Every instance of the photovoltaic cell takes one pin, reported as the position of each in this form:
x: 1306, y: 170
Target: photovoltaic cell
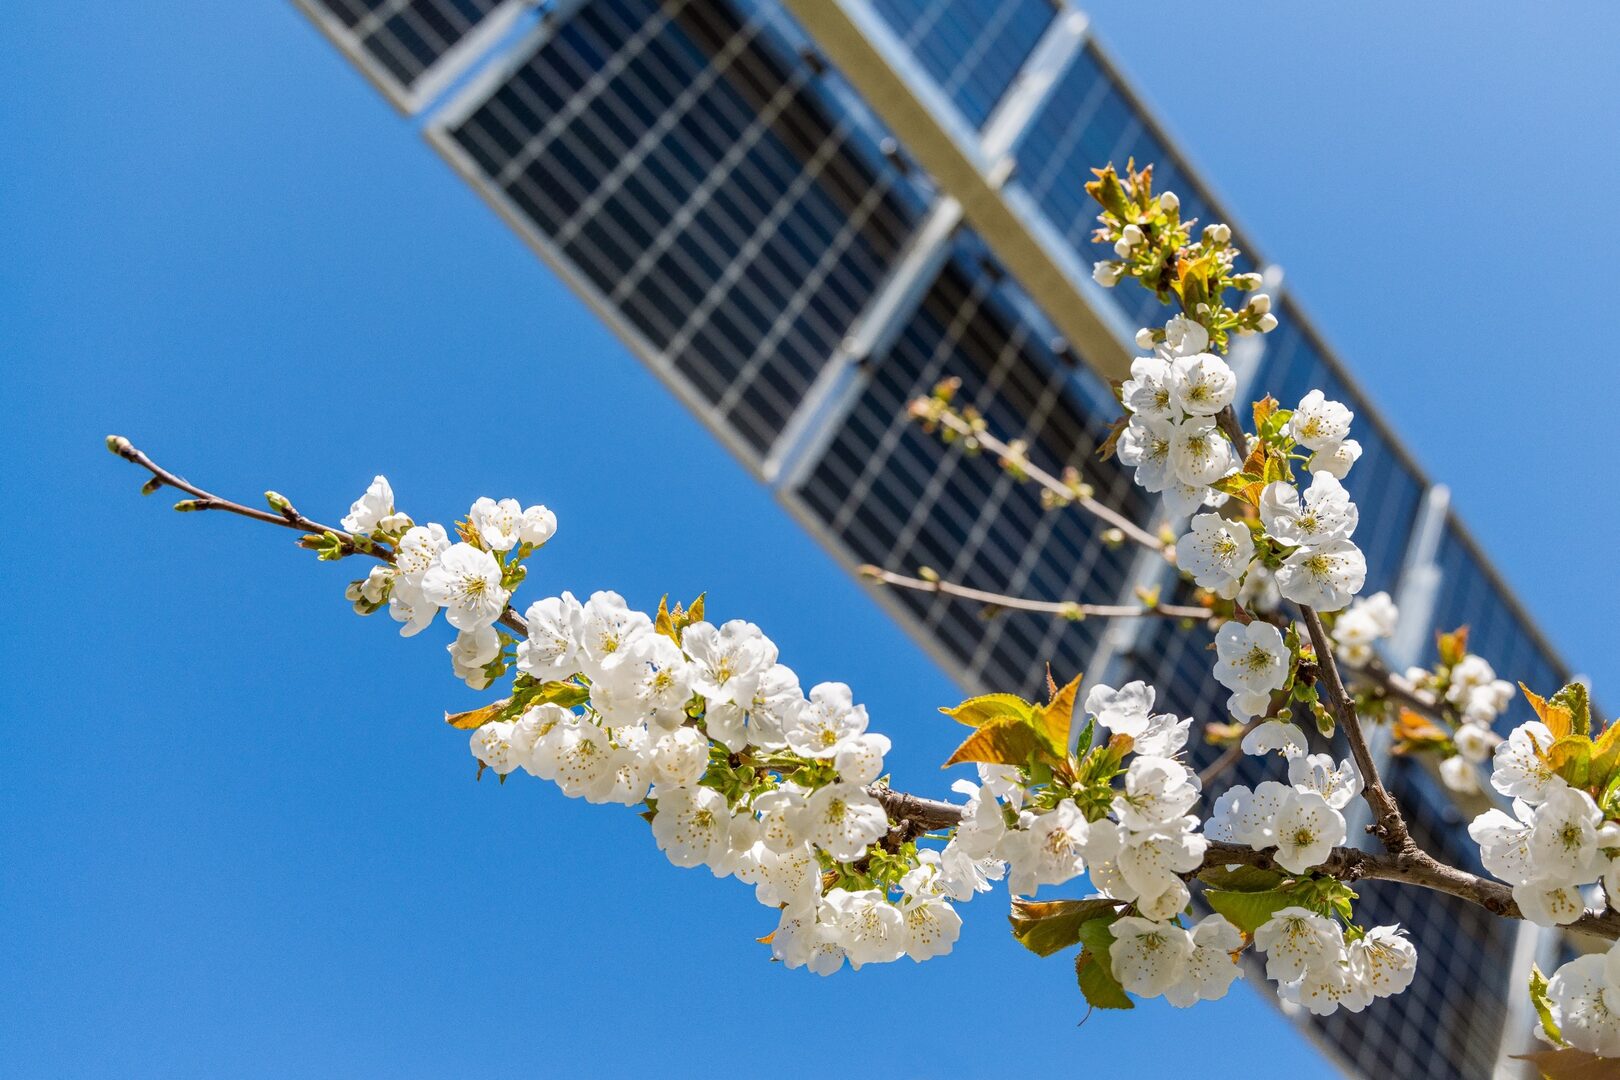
x: 1469, y: 597
x: 972, y: 48
x: 890, y: 493
x: 696, y: 180
x: 404, y: 38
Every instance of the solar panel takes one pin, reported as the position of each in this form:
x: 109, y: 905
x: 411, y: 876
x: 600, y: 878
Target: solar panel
x: 408, y: 46
x: 691, y: 178
x: 887, y: 492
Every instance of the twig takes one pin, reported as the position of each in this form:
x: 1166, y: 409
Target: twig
x: 289, y: 518
x: 1067, y: 608
x: 1056, y: 486
x: 1388, y: 824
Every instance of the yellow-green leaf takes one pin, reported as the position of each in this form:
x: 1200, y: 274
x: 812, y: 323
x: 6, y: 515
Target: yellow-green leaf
x: 1571, y: 758
x: 1543, y: 1004
x: 1606, y: 755
x: 1558, y: 719
x: 976, y: 710
x: 1056, y: 717
x: 1241, y: 878
x: 1262, y: 412
x: 1453, y: 646
x: 694, y: 613
x: 475, y: 718
x: 1570, y: 1064
x: 1006, y: 740
x: 1046, y: 927
x: 1248, y: 911
x: 663, y: 624
x: 1574, y: 698
x: 1092, y: 967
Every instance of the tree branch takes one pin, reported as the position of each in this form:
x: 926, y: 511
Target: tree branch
x: 1066, y: 608
x: 1056, y: 486
x: 1346, y: 864
x: 1388, y: 825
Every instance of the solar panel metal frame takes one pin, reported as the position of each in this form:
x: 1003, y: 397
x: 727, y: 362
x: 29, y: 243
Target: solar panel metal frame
x: 410, y: 98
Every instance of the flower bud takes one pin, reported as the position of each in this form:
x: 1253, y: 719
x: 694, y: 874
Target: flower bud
x: 1169, y: 203
x: 1260, y: 303
x: 1144, y: 338
x: 120, y: 445
x: 1107, y: 274
x: 1268, y: 323
x: 1129, y: 238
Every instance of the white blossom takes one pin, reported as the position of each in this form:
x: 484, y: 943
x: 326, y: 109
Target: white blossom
x: 728, y: 660
x: 1046, y: 849
x: 368, y: 511
x: 1210, y: 969
x: 869, y: 928
x: 466, y: 582
x: 1460, y: 775
x: 1307, y: 831
x: 1318, y: 422
x: 1367, y: 620
x: 801, y: 940
x: 1249, y: 816
x: 1216, y: 552
x: 1336, y: 783
x: 1204, y: 384
x: 550, y: 651
x: 841, y: 819
x: 1383, y: 960
x: 1325, y: 576
x: 824, y: 722
x: 1147, y: 957
x: 1150, y: 392
x: 1185, y: 337
x: 492, y: 745
x: 1335, y: 459
x: 1584, y: 1000
x: 1296, y: 940
x: 1504, y: 842
x: 1152, y: 859
x: 1165, y: 736
x: 1519, y: 771
x: 1199, y: 453
x: 679, y: 758
x: 860, y: 760
x: 1325, y: 512
x: 1563, y: 836
x: 776, y: 809
x: 1251, y: 661
x: 472, y: 652
x: 1281, y: 736
x: 693, y: 826
x: 1549, y: 903
x: 1145, y: 446
x: 539, y: 525
x: 1157, y: 790
x: 607, y: 628
x: 1125, y: 711
x: 497, y: 523
x: 932, y: 926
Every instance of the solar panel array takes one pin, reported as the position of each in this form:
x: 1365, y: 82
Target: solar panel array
x: 737, y: 214
x: 400, y: 41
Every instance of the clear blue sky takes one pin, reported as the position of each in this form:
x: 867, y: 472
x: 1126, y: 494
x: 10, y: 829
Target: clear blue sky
x: 235, y: 838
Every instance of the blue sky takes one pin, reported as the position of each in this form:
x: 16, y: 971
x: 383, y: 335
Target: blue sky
x: 235, y: 838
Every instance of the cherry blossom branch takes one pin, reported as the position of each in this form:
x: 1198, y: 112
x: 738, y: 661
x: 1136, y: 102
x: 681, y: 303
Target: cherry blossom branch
x: 288, y: 516
x: 1067, y: 608
x: 1344, y: 863
x: 1389, y: 824
x: 1017, y: 458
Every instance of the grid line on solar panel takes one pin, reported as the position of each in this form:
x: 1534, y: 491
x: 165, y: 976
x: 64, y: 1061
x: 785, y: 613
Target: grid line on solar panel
x: 407, y: 37
x: 747, y: 232
x: 972, y: 49
x: 892, y: 494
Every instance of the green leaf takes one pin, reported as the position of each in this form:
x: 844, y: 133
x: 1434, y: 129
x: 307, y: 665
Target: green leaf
x: 1241, y: 878
x: 476, y: 718
x: 976, y: 710
x: 1248, y: 911
x: 1056, y: 717
x: 1574, y: 698
x: 1046, y: 927
x: 1093, y: 969
x: 1006, y: 740
x: 1543, y: 1004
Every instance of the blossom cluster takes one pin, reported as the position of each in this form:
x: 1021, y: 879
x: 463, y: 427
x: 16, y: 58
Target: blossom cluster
x: 1558, y: 840
x: 1582, y: 1002
x: 1321, y: 969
